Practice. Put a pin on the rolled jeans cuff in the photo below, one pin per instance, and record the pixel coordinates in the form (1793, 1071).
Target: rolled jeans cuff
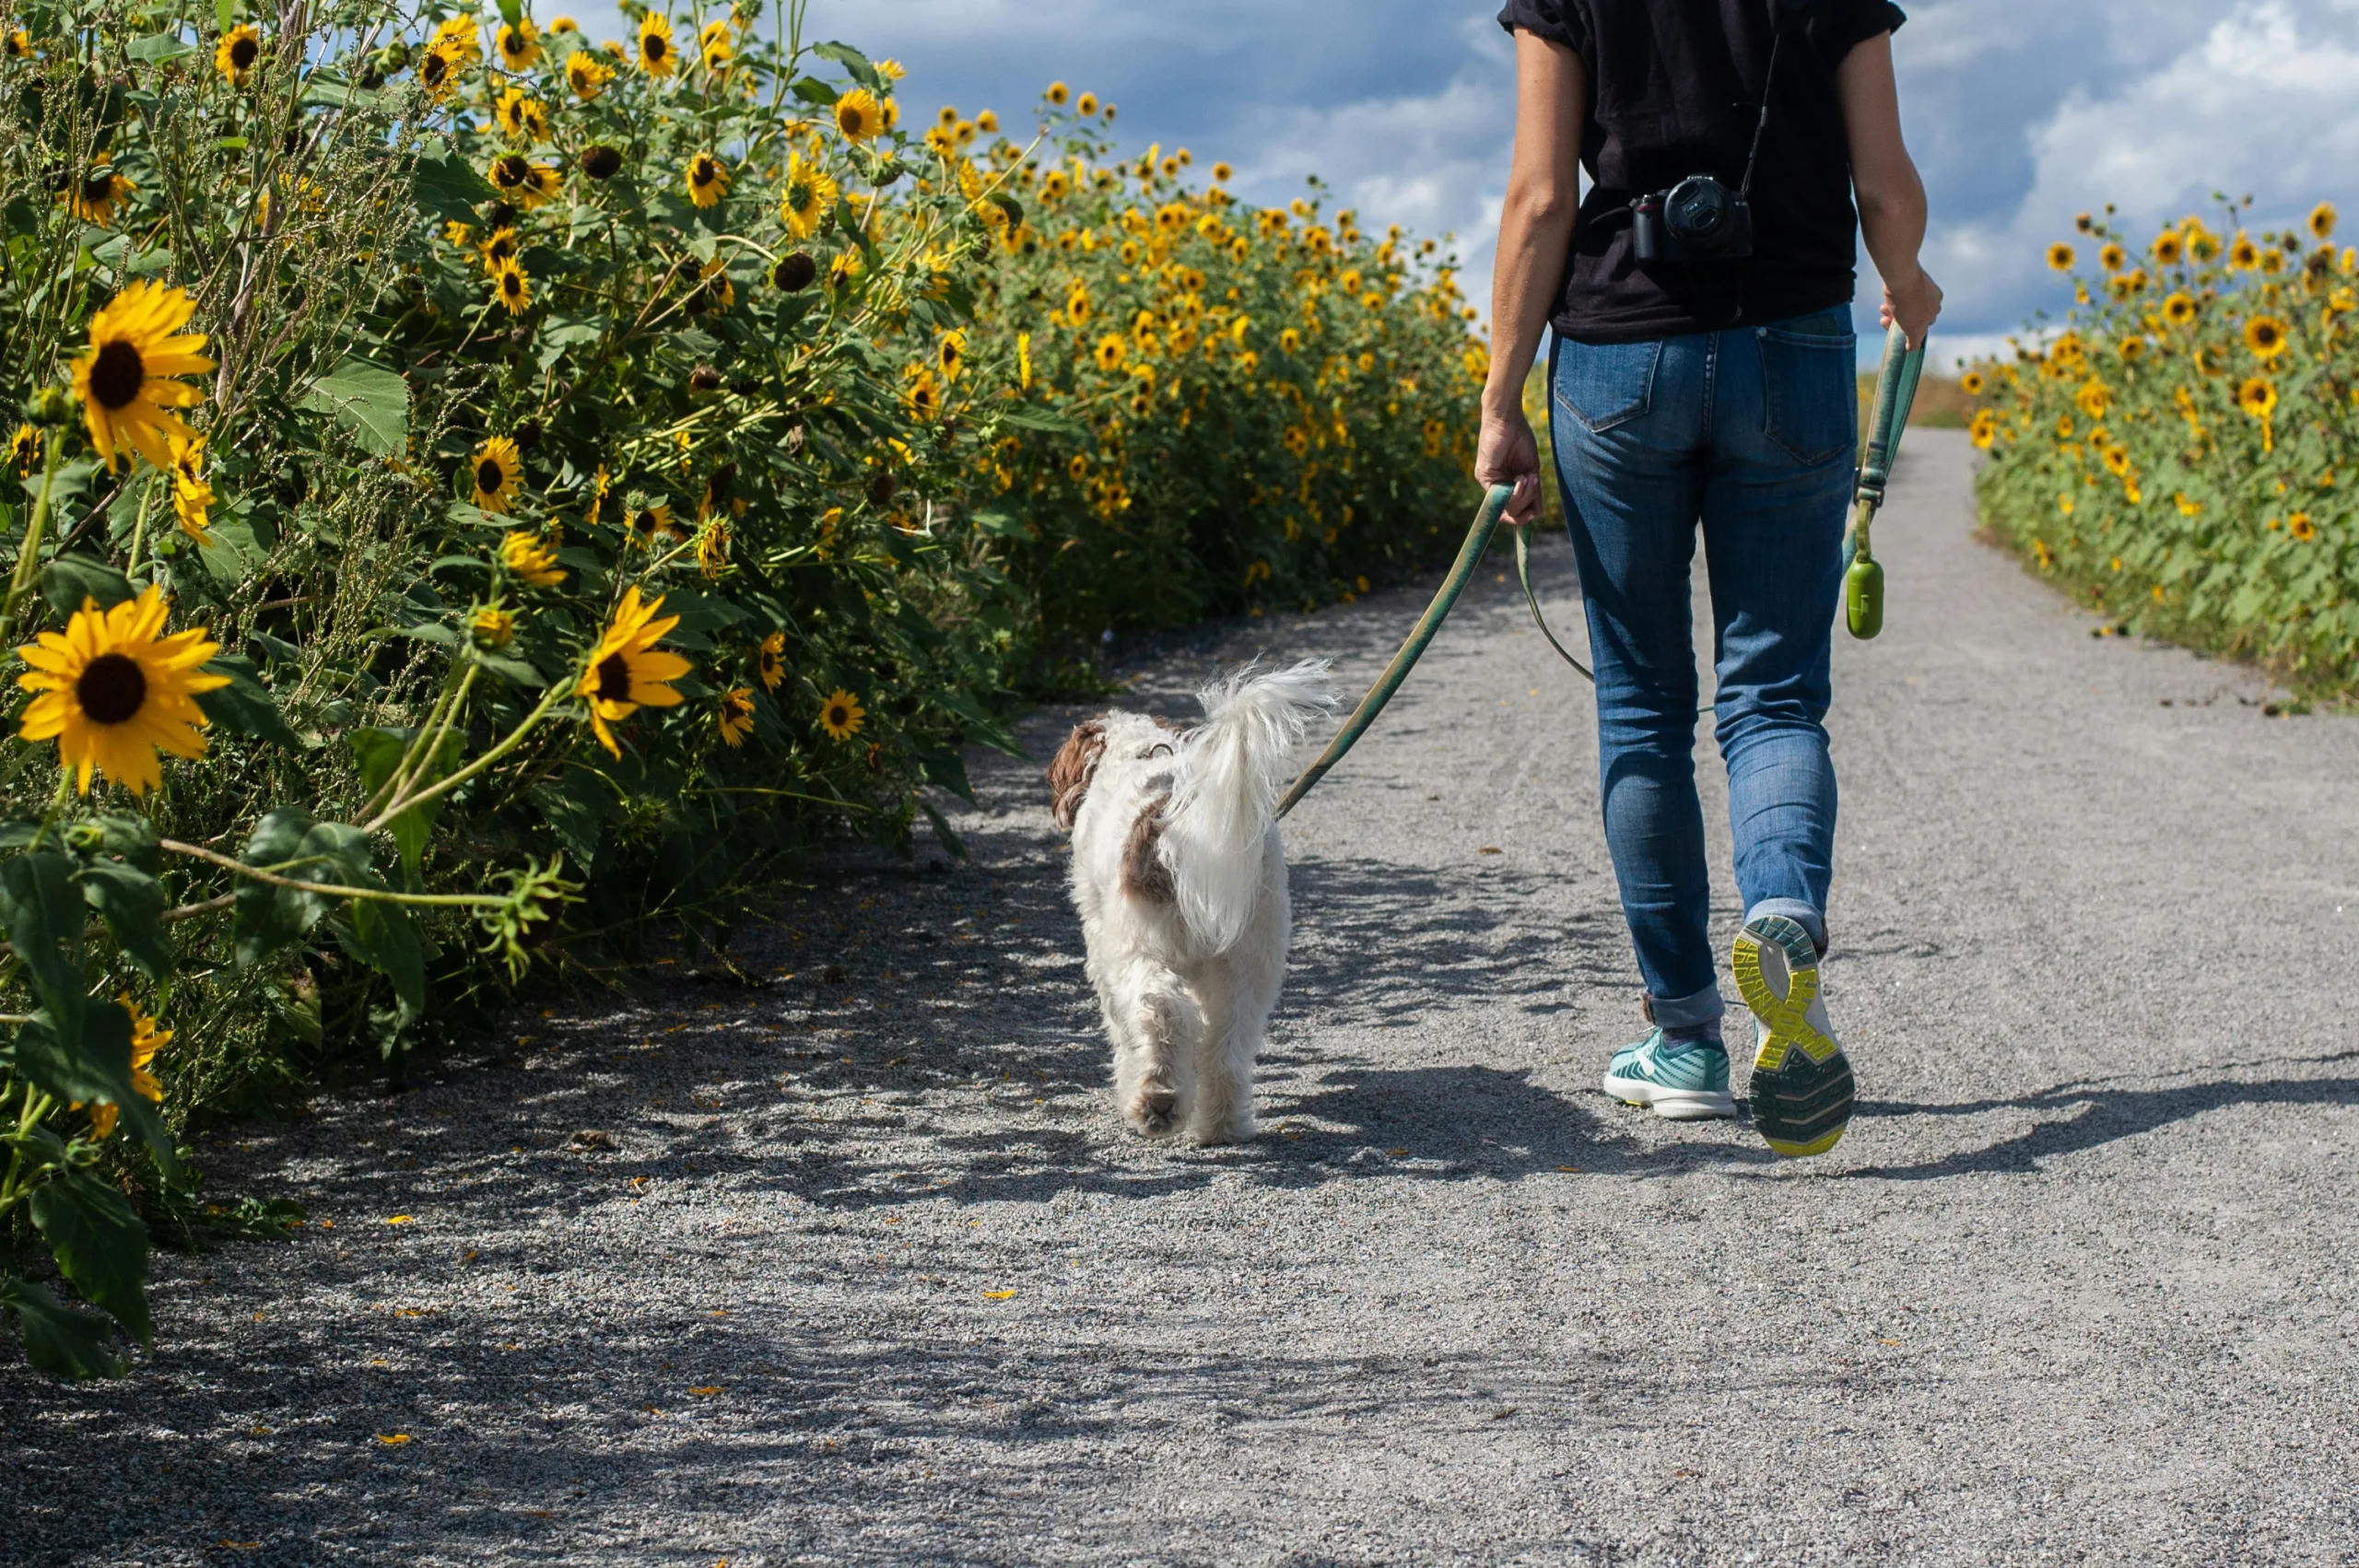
(1693, 1012)
(1797, 911)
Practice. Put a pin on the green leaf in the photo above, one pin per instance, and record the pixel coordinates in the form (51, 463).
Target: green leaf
(950, 840)
(100, 1245)
(371, 399)
(93, 1064)
(132, 903)
(58, 1339)
(379, 751)
(981, 726)
(578, 805)
(512, 12)
(946, 769)
(70, 580)
(244, 706)
(267, 918)
(1036, 419)
(381, 936)
(43, 913)
(447, 185)
(159, 47)
(852, 59)
(812, 91)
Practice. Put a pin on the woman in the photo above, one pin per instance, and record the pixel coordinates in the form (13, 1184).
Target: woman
(1703, 374)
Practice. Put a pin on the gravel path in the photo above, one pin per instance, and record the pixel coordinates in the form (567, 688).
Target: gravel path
(857, 1266)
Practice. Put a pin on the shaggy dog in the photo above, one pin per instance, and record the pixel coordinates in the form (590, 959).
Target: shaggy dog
(1180, 879)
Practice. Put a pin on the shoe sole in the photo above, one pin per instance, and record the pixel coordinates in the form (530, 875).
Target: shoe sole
(1672, 1105)
(1801, 1088)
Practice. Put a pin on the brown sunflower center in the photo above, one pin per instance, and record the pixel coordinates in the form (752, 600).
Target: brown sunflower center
(706, 170)
(99, 189)
(838, 715)
(487, 478)
(511, 282)
(654, 45)
(511, 172)
(243, 52)
(853, 121)
(601, 162)
(613, 678)
(111, 688)
(435, 69)
(117, 374)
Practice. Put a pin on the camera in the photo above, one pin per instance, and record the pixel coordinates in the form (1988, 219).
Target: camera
(1699, 219)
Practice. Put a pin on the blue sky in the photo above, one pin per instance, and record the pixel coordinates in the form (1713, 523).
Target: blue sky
(2021, 112)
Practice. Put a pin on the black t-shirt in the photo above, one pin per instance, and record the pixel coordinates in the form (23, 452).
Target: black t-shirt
(1674, 89)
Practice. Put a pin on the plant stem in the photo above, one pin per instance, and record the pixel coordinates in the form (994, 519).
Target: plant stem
(139, 529)
(28, 556)
(513, 739)
(329, 889)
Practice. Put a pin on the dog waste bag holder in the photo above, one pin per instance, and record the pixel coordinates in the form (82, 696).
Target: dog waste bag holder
(1895, 390)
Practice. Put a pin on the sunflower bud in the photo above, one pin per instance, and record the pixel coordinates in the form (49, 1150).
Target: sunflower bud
(881, 488)
(394, 57)
(704, 379)
(50, 406)
(794, 272)
(528, 435)
(601, 162)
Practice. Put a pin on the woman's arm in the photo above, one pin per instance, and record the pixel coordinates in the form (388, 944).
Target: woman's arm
(1535, 238)
(1891, 196)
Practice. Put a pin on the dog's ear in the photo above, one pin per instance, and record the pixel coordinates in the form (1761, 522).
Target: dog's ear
(1069, 772)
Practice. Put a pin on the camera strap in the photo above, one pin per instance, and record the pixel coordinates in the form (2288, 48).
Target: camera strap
(1768, 80)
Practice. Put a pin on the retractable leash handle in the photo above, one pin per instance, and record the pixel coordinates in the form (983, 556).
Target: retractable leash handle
(1896, 392)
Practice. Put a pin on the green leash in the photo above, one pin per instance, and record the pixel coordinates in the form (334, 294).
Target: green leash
(1862, 578)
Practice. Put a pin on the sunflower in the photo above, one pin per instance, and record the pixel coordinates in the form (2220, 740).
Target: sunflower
(651, 525)
(2094, 399)
(2179, 309)
(602, 161)
(716, 43)
(714, 292)
(496, 466)
(1077, 306)
(2256, 396)
(794, 272)
(497, 249)
(135, 345)
(514, 290)
(769, 660)
(712, 548)
(1972, 383)
(522, 116)
(708, 179)
(437, 71)
(190, 493)
(587, 75)
(492, 626)
(626, 672)
(145, 1041)
(238, 53)
(2321, 221)
(840, 715)
(2132, 349)
(519, 46)
(563, 24)
(459, 34)
(1057, 94)
(2202, 245)
(859, 116)
(1085, 105)
(24, 449)
(2300, 524)
(2169, 248)
(17, 44)
(1983, 429)
(922, 396)
(657, 56)
(2112, 257)
(950, 354)
(987, 123)
(530, 559)
(736, 715)
(2243, 255)
(845, 270)
(113, 693)
(808, 197)
(2265, 336)
(1110, 350)
(94, 197)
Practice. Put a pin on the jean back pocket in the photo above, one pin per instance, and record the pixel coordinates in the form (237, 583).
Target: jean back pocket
(1605, 384)
(1808, 387)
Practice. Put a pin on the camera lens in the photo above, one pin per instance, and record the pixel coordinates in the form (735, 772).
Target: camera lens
(1697, 211)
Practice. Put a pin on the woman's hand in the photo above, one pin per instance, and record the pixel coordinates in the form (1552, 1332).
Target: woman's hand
(1507, 454)
(1916, 306)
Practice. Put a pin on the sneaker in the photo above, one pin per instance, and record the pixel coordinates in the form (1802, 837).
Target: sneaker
(1802, 1080)
(1681, 1083)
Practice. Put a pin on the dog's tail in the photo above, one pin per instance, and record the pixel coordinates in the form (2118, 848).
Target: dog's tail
(1231, 768)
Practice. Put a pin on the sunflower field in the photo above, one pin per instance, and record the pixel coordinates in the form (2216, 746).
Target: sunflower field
(2184, 453)
(478, 495)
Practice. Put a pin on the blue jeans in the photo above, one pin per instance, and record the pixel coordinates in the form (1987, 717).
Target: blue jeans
(1752, 432)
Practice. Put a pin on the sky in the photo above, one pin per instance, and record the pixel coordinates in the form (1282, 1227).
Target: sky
(2020, 113)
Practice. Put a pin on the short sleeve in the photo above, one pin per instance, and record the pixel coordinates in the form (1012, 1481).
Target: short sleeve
(1842, 25)
(1558, 21)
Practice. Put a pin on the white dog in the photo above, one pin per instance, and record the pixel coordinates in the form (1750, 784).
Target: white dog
(1180, 879)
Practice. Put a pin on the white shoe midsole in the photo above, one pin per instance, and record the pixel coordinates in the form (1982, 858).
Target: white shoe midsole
(1673, 1104)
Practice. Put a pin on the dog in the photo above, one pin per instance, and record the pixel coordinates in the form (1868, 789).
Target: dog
(1179, 877)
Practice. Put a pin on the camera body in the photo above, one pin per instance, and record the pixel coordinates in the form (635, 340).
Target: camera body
(1699, 219)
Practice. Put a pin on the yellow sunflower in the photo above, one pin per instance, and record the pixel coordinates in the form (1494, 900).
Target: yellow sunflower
(712, 548)
(496, 467)
(438, 72)
(708, 179)
(587, 75)
(1085, 105)
(531, 560)
(519, 46)
(859, 116)
(1984, 429)
(2169, 248)
(462, 38)
(626, 672)
(24, 449)
(769, 660)
(656, 55)
(522, 116)
(1971, 383)
(736, 715)
(513, 287)
(522, 181)
(2300, 524)
(2180, 309)
(17, 44)
(923, 395)
(497, 249)
(2321, 221)
(492, 626)
(808, 197)
(562, 24)
(1110, 350)
(2202, 245)
(190, 493)
(94, 197)
(2243, 255)
(2256, 396)
(651, 525)
(123, 380)
(716, 42)
(840, 715)
(112, 692)
(1057, 94)
(238, 53)
(145, 1041)
(2112, 257)
(2265, 336)
(950, 354)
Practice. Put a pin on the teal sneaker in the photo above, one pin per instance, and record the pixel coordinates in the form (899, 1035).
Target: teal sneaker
(1801, 1093)
(1681, 1083)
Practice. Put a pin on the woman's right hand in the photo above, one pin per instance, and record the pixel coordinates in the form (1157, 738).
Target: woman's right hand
(1916, 306)
(1506, 454)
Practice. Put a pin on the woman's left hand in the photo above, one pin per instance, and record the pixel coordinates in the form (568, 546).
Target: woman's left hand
(1506, 454)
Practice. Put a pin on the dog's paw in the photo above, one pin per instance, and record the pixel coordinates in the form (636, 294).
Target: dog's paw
(1236, 1128)
(1154, 1111)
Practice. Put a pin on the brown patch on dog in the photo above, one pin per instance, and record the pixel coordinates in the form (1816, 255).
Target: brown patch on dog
(1070, 770)
(1144, 876)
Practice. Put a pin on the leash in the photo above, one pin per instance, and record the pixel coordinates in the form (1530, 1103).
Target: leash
(1862, 573)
